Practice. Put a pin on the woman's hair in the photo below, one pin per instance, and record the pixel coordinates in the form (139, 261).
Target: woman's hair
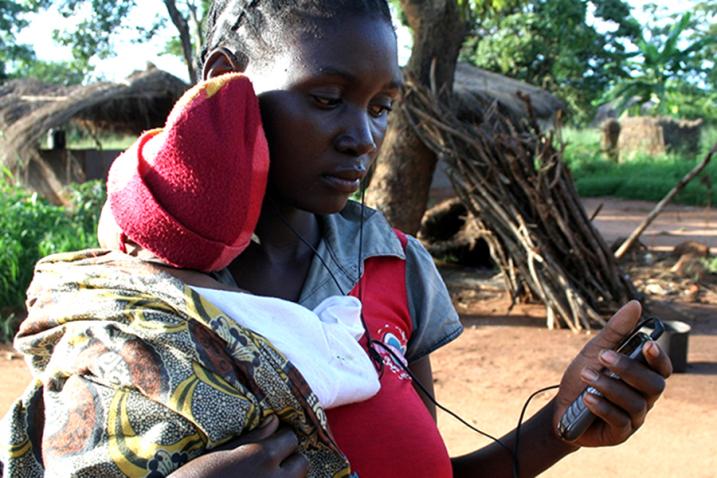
(255, 30)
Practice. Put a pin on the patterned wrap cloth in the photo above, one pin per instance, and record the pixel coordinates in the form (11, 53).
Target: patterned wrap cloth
(135, 374)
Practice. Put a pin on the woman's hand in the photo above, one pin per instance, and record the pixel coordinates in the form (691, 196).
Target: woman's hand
(268, 451)
(626, 402)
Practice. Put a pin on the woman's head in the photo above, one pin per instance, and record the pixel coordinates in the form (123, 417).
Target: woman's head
(327, 75)
(256, 30)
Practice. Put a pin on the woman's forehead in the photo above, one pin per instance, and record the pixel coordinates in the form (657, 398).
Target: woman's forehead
(356, 50)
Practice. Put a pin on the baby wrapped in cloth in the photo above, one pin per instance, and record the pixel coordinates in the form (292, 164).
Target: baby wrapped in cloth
(140, 367)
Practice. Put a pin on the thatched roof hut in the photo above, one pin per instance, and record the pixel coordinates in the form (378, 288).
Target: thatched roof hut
(28, 109)
(478, 89)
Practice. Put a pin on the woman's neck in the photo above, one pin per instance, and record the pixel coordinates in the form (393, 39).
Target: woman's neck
(287, 232)
(278, 263)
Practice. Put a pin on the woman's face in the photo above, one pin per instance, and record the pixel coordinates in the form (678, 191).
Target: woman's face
(325, 105)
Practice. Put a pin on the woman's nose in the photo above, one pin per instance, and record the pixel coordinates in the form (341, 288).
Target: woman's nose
(357, 138)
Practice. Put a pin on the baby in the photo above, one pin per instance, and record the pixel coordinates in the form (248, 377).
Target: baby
(188, 197)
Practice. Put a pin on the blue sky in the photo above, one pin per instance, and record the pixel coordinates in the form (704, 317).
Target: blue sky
(131, 56)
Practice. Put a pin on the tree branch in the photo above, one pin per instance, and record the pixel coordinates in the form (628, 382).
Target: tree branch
(661, 205)
(185, 37)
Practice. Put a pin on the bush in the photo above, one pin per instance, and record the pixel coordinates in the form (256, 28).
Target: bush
(642, 177)
(31, 228)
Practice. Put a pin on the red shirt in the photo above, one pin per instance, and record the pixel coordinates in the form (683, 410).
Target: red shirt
(392, 434)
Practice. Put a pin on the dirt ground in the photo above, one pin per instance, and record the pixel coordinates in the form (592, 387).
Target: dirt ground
(675, 224)
(486, 374)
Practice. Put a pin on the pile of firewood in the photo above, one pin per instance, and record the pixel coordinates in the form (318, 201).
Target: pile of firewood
(513, 181)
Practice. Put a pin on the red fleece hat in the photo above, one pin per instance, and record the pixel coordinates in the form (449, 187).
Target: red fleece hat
(191, 192)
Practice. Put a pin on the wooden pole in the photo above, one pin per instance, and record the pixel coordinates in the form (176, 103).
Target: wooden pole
(625, 246)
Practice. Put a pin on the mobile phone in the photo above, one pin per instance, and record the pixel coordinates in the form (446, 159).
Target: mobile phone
(577, 418)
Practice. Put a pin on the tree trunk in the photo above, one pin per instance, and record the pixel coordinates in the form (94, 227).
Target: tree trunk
(400, 185)
(185, 37)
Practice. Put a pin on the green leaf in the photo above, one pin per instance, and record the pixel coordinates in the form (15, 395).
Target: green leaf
(675, 32)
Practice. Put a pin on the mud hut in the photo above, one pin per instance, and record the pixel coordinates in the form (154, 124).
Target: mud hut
(658, 135)
(30, 109)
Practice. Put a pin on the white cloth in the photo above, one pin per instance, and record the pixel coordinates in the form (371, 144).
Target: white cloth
(322, 344)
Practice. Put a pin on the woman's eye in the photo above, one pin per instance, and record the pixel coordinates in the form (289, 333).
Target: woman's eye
(326, 101)
(378, 110)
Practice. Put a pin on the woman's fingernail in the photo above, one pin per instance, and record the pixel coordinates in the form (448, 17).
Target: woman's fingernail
(608, 357)
(589, 375)
(591, 399)
(653, 349)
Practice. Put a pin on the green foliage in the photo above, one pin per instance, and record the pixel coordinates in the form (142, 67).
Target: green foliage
(51, 72)
(711, 264)
(92, 37)
(663, 71)
(31, 228)
(9, 323)
(642, 177)
(12, 20)
(79, 138)
(550, 44)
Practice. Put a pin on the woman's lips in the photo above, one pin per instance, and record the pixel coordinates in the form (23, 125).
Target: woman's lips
(345, 183)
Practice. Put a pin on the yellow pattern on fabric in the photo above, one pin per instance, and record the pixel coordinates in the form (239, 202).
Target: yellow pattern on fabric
(215, 381)
(20, 449)
(181, 399)
(131, 452)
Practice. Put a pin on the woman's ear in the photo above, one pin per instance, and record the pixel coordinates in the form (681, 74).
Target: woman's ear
(221, 61)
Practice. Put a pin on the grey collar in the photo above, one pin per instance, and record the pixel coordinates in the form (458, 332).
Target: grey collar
(340, 245)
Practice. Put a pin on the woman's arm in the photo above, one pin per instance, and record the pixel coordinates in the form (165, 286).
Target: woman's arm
(622, 410)
(421, 369)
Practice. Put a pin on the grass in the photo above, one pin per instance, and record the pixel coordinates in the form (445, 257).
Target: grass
(31, 228)
(78, 138)
(642, 177)
(711, 264)
(106, 142)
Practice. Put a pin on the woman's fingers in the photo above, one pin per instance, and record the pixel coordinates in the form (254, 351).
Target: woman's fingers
(280, 446)
(637, 375)
(636, 389)
(657, 359)
(295, 465)
(270, 450)
(625, 402)
(619, 325)
(266, 428)
(620, 396)
(613, 416)
(274, 456)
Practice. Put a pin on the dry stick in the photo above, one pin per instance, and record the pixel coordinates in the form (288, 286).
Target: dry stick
(597, 211)
(660, 206)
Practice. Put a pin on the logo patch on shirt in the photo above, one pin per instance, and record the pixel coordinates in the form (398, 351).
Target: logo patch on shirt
(395, 339)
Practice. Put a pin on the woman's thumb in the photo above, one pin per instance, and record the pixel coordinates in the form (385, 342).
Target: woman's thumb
(266, 428)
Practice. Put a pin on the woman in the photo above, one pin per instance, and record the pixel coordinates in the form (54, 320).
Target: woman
(326, 75)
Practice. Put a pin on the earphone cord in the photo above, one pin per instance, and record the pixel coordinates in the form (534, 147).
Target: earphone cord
(372, 345)
(372, 351)
(313, 249)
